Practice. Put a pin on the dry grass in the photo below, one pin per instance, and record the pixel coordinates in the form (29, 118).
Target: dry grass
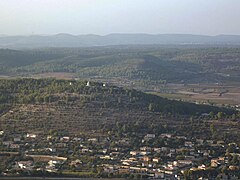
(212, 93)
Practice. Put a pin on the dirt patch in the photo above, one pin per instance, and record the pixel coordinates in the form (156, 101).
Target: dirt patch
(57, 75)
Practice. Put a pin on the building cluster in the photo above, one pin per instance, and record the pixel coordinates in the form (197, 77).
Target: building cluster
(164, 156)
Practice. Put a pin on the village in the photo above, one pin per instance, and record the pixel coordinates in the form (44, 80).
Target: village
(163, 156)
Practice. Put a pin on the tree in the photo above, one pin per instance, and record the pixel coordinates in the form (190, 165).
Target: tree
(233, 116)
(211, 114)
(231, 148)
(151, 107)
(220, 115)
(235, 160)
(212, 129)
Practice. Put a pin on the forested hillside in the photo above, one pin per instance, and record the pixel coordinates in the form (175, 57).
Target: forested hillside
(13, 58)
(144, 65)
(32, 91)
(74, 96)
(73, 116)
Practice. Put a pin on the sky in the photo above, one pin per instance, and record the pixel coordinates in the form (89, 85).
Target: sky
(206, 17)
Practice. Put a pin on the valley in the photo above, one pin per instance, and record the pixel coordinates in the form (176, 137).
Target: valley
(120, 112)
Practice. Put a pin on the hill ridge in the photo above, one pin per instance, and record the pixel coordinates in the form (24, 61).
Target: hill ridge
(69, 40)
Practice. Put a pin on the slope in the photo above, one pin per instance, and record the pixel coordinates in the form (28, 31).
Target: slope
(46, 104)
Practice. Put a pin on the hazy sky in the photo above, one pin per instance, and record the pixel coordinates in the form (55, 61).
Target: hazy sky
(119, 16)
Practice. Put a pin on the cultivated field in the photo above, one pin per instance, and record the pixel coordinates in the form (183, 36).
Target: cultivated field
(220, 94)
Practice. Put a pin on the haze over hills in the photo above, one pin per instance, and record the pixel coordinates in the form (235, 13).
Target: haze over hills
(141, 67)
(119, 89)
(68, 40)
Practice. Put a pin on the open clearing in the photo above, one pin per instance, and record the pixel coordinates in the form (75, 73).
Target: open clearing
(203, 93)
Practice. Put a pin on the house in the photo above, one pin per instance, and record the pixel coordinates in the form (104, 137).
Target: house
(209, 142)
(188, 144)
(216, 162)
(125, 163)
(158, 150)
(14, 146)
(49, 137)
(170, 169)
(1, 132)
(88, 84)
(165, 149)
(53, 163)
(60, 145)
(115, 153)
(29, 135)
(104, 151)
(205, 114)
(7, 143)
(145, 148)
(115, 149)
(77, 139)
(165, 135)
(51, 149)
(144, 153)
(159, 175)
(132, 159)
(146, 164)
(134, 153)
(138, 169)
(220, 142)
(106, 157)
(203, 167)
(234, 168)
(200, 141)
(186, 162)
(51, 169)
(171, 154)
(156, 160)
(17, 139)
(75, 163)
(146, 158)
(109, 169)
(180, 137)
(85, 150)
(65, 138)
(25, 164)
(150, 136)
(93, 139)
(172, 150)
(204, 152)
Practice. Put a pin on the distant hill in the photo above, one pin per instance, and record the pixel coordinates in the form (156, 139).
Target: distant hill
(95, 95)
(142, 66)
(45, 104)
(67, 40)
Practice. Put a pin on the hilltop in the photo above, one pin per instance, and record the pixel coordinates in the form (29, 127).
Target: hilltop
(68, 40)
(141, 64)
(200, 74)
(44, 104)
